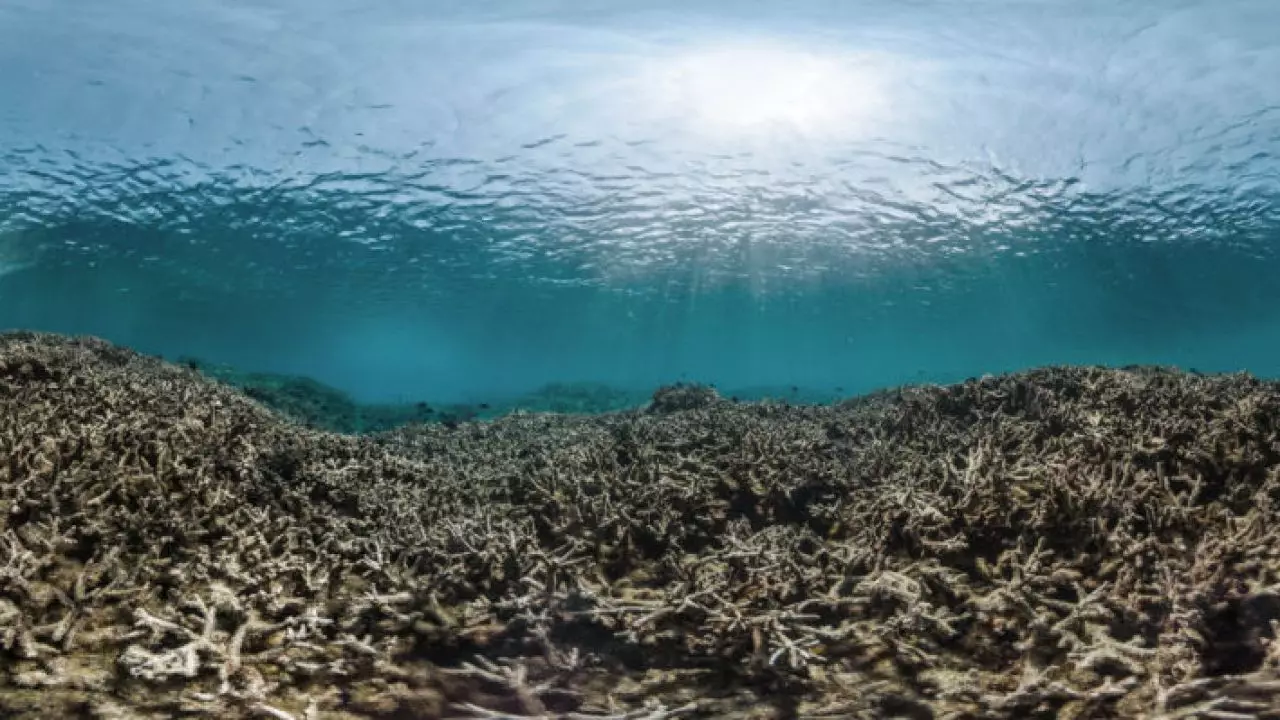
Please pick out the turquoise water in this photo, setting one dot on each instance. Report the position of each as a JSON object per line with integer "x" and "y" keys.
{"x": 455, "y": 200}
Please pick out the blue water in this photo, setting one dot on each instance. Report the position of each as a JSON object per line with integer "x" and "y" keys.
{"x": 455, "y": 200}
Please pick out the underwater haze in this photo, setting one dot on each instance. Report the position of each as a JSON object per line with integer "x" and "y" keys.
{"x": 459, "y": 200}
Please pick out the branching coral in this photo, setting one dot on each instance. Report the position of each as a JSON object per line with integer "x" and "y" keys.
{"x": 1061, "y": 543}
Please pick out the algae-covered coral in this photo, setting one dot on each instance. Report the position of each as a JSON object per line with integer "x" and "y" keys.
{"x": 1074, "y": 542}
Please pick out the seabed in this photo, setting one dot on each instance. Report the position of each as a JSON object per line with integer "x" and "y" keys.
{"x": 1061, "y": 543}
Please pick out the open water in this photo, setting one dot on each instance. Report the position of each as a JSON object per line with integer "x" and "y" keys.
{"x": 463, "y": 200}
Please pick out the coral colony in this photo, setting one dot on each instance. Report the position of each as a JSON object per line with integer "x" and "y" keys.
{"x": 1064, "y": 543}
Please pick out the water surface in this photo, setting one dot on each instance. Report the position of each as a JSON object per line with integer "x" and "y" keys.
{"x": 454, "y": 200}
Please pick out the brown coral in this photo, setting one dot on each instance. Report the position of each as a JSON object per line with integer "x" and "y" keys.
{"x": 1061, "y": 543}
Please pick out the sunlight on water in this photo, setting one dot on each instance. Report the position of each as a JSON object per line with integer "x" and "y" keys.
{"x": 449, "y": 201}
{"x": 763, "y": 87}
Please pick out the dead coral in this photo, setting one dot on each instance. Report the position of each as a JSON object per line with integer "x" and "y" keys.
{"x": 1060, "y": 543}
{"x": 682, "y": 396}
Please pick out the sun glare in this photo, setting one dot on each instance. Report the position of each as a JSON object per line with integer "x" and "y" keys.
{"x": 766, "y": 88}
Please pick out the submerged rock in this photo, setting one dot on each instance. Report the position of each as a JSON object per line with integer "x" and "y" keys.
{"x": 1068, "y": 542}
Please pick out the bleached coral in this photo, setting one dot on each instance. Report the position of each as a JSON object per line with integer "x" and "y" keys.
{"x": 1067, "y": 542}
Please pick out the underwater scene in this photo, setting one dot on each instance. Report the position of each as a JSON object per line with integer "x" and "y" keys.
{"x": 640, "y": 360}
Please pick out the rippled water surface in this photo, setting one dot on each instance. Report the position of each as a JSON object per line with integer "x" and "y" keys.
{"x": 452, "y": 200}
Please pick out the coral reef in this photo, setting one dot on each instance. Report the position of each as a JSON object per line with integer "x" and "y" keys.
{"x": 313, "y": 403}
{"x": 1069, "y": 542}
{"x": 322, "y": 407}
{"x": 578, "y": 398}
{"x": 683, "y": 396}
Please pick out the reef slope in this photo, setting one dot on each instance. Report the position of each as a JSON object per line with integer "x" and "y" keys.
{"x": 1068, "y": 542}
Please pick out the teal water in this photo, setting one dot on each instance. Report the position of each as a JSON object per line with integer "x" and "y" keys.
{"x": 454, "y": 201}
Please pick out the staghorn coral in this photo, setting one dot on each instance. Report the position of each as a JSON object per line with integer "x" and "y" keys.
{"x": 1068, "y": 542}
{"x": 682, "y": 396}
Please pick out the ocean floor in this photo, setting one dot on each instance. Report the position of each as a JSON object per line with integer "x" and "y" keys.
{"x": 1068, "y": 542}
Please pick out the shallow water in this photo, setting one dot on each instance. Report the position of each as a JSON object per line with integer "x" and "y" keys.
{"x": 462, "y": 200}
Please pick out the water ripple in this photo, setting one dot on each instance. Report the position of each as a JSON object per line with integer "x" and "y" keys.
{"x": 882, "y": 163}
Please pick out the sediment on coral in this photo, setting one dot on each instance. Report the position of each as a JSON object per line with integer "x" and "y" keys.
{"x": 1068, "y": 542}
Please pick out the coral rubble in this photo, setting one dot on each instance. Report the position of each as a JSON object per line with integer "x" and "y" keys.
{"x": 1068, "y": 542}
